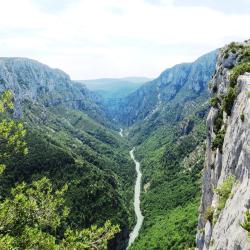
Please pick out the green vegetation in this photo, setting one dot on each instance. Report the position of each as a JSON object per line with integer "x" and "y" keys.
{"x": 243, "y": 55}
{"x": 242, "y": 117}
{"x": 218, "y": 140}
{"x": 37, "y": 214}
{"x": 214, "y": 101}
{"x": 174, "y": 231}
{"x": 34, "y": 217}
{"x": 246, "y": 223}
{"x": 238, "y": 70}
{"x": 218, "y": 122}
{"x": 171, "y": 161}
{"x": 209, "y": 214}
{"x": 12, "y": 133}
{"x": 242, "y": 51}
{"x": 228, "y": 100}
{"x": 224, "y": 191}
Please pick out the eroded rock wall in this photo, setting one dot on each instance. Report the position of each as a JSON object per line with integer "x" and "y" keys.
{"x": 220, "y": 229}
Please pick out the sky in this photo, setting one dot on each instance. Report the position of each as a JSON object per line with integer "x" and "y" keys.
{"x": 91, "y": 39}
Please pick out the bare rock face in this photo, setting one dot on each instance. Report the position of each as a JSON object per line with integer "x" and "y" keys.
{"x": 224, "y": 231}
{"x": 31, "y": 81}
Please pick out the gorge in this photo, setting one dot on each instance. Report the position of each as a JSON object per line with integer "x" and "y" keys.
{"x": 187, "y": 126}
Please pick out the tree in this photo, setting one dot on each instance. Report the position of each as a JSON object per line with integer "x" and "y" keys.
{"x": 12, "y": 133}
{"x": 30, "y": 218}
{"x": 34, "y": 216}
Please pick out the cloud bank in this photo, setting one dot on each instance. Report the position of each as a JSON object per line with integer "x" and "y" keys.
{"x": 115, "y": 38}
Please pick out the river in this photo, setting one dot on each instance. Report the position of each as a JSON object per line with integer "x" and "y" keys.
{"x": 137, "y": 193}
{"x": 139, "y": 217}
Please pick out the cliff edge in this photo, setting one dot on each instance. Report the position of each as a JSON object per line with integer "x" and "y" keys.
{"x": 225, "y": 203}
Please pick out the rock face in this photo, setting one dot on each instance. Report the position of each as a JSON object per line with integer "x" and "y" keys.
{"x": 224, "y": 231}
{"x": 32, "y": 81}
{"x": 186, "y": 79}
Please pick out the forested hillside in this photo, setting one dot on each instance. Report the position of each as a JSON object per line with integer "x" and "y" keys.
{"x": 167, "y": 125}
{"x": 69, "y": 142}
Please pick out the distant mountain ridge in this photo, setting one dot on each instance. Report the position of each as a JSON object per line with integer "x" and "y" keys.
{"x": 113, "y": 88}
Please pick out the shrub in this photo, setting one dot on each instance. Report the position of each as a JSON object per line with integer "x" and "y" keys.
{"x": 215, "y": 89}
{"x": 214, "y": 101}
{"x": 228, "y": 100}
{"x": 218, "y": 122}
{"x": 224, "y": 190}
{"x": 238, "y": 70}
{"x": 218, "y": 140}
{"x": 226, "y": 55}
{"x": 209, "y": 214}
{"x": 246, "y": 223}
{"x": 242, "y": 117}
{"x": 210, "y": 84}
{"x": 245, "y": 55}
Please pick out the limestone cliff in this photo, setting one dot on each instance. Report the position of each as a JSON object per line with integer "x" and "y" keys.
{"x": 226, "y": 181}
{"x": 32, "y": 81}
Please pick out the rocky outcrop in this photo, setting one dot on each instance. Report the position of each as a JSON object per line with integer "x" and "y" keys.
{"x": 188, "y": 80}
{"x": 227, "y": 156}
{"x": 32, "y": 81}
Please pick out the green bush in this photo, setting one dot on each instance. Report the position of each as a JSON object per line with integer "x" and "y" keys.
{"x": 242, "y": 117}
{"x": 238, "y": 70}
{"x": 218, "y": 140}
{"x": 246, "y": 223}
{"x": 226, "y": 55}
{"x": 245, "y": 55}
{"x": 209, "y": 214}
{"x": 218, "y": 122}
{"x": 214, "y": 101}
{"x": 210, "y": 84}
{"x": 228, "y": 101}
{"x": 223, "y": 191}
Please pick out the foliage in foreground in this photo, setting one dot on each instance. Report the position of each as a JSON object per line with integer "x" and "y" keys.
{"x": 12, "y": 133}
{"x": 246, "y": 222}
{"x": 34, "y": 216}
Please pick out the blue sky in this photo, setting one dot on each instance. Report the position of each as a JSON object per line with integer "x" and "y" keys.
{"x": 116, "y": 38}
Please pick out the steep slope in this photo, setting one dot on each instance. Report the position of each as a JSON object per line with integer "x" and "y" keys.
{"x": 33, "y": 81}
{"x": 226, "y": 182}
{"x": 185, "y": 80}
{"x": 168, "y": 129}
{"x": 69, "y": 143}
{"x": 113, "y": 91}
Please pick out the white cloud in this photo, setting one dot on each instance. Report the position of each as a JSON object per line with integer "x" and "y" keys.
{"x": 96, "y": 38}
